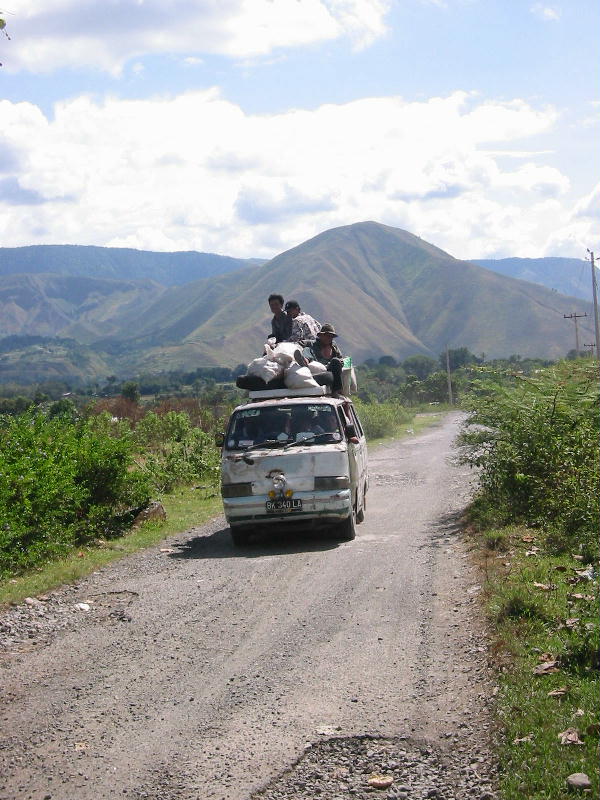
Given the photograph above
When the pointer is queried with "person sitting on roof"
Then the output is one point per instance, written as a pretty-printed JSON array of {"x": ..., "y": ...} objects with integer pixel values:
[
  {"x": 281, "y": 324},
  {"x": 325, "y": 350},
  {"x": 304, "y": 327}
]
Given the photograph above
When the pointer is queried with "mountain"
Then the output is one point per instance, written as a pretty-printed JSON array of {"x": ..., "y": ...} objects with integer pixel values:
[
  {"x": 169, "y": 269},
  {"x": 387, "y": 292},
  {"x": 85, "y": 309},
  {"x": 570, "y": 276},
  {"x": 37, "y": 359}
]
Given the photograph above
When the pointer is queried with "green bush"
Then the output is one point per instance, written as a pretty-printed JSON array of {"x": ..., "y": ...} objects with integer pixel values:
[
  {"x": 382, "y": 419},
  {"x": 536, "y": 446},
  {"x": 174, "y": 453},
  {"x": 61, "y": 484}
]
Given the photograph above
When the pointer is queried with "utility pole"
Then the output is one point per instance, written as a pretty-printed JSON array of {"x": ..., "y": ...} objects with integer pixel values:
[
  {"x": 450, "y": 400},
  {"x": 575, "y": 317},
  {"x": 595, "y": 294}
]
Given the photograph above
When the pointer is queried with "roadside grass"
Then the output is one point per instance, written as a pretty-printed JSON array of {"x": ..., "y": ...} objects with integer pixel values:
[
  {"x": 185, "y": 507},
  {"x": 412, "y": 427},
  {"x": 532, "y": 626}
]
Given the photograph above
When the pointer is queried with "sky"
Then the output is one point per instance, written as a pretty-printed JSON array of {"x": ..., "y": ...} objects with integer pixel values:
[{"x": 245, "y": 127}]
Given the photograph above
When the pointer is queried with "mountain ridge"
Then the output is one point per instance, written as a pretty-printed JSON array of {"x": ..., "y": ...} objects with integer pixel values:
[
  {"x": 168, "y": 268},
  {"x": 564, "y": 275},
  {"x": 387, "y": 291}
]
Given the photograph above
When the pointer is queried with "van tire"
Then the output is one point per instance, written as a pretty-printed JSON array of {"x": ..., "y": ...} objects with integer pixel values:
[
  {"x": 360, "y": 514},
  {"x": 240, "y": 536},
  {"x": 346, "y": 529}
]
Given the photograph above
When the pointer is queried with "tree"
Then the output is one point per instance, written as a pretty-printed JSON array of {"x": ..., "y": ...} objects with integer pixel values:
[
  {"x": 3, "y": 30},
  {"x": 130, "y": 391},
  {"x": 388, "y": 361},
  {"x": 420, "y": 366},
  {"x": 40, "y": 397},
  {"x": 435, "y": 388},
  {"x": 64, "y": 408},
  {"x": 458, "y": 358}
]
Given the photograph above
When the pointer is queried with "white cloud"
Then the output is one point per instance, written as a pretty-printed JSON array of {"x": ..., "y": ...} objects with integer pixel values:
[
  {"x": 49, "y": 34},
  {"x": 196, "y": 172},
  {"x": 580, "y": 230},
  {"x": 547, "y": 13}
]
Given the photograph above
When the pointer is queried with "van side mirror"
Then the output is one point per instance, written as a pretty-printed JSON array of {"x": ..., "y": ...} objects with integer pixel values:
[{"x": 219, "y": 439}]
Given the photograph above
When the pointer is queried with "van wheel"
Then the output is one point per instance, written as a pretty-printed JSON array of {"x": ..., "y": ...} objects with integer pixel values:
[
  {"x": 240, "y": 536},
  {"x": 360, "y": 514},
  {"x": 346, "y": 530}
]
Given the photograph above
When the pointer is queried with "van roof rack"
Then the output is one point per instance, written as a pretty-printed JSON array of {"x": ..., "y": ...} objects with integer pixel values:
[{"x": 267, "y": 394}]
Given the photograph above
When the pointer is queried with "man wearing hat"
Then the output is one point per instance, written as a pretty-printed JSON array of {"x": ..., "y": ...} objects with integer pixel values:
[
  {"x": 325, "y": 350},
  {"x": 304, "y": 327}
]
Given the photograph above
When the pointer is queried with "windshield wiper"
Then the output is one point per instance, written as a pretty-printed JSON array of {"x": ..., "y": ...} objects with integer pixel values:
[{"x": 266, "y": 443}]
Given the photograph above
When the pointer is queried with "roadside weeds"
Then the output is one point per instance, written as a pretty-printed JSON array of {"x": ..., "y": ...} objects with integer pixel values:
[
  {"x": 543, "y": 613},
  {"x": 186, "y": 508}
]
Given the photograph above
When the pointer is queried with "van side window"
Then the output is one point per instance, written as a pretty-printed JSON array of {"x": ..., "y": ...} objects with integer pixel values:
[
  {"x": 356, "y": 421},
  {"x": 345, "y": 416}
]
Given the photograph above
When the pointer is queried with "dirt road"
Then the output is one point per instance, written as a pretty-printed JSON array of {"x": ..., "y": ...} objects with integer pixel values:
[{"x": 206, "y": 672}]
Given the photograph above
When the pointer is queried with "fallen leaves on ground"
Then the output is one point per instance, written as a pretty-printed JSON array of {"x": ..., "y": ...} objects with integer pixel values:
[
  {"x": 546, "y": 657},
  {"x": 560, "y": 692},
  {"x": 546, "y": 668},
  {"x": 545, "y": 587},
  {"x": 570, "y": 736}
]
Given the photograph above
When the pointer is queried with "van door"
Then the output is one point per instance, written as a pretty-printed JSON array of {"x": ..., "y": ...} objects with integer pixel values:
[{"x": 359, "y": 456}]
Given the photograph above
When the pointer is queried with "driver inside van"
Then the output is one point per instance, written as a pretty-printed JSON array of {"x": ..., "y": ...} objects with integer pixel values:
[{"x": 305, "y": 425}]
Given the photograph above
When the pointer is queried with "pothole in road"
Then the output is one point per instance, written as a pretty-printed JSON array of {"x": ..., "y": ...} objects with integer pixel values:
[
  {"x": 366, "y": 767},
  {"x": 123, "y": 597},
  {"x": 114, "y": 605}
]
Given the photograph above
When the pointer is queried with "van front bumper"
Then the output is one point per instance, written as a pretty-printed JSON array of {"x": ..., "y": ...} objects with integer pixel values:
[{"x": 336, "y": 505}]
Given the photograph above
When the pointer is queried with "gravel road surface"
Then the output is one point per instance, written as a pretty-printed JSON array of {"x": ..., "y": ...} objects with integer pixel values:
[{"x": 293, "y": 668}]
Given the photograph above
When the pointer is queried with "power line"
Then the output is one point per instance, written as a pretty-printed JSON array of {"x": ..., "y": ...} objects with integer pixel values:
[{"x": 575, "y": 317}]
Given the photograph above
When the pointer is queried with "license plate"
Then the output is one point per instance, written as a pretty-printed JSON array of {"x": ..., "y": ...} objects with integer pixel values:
[{"x": 283, "y": 504}]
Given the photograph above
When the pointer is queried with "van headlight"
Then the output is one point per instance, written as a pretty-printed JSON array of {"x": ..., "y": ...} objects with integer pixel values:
[
  {"x": 332, "y": 482},
  {"x": 279, "y": 481},
  {"x": 236, "y": 490}
]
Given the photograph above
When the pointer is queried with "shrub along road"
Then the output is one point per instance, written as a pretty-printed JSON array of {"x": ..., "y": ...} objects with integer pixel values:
[{"x": 293, "y": 668}]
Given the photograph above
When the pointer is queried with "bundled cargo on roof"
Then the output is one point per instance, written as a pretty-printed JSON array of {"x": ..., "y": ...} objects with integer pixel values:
[{"x": 284, "y": 369}]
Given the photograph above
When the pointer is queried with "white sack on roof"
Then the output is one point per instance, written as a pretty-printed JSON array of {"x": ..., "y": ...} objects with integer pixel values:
[
  {"x": 316, "y": 368},
  {"x": 265, "y": 368},
  {"x": 297, "y": 377}
]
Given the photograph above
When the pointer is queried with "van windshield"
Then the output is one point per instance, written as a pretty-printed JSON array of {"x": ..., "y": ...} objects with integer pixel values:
[{"x": 282, "y": 425}]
